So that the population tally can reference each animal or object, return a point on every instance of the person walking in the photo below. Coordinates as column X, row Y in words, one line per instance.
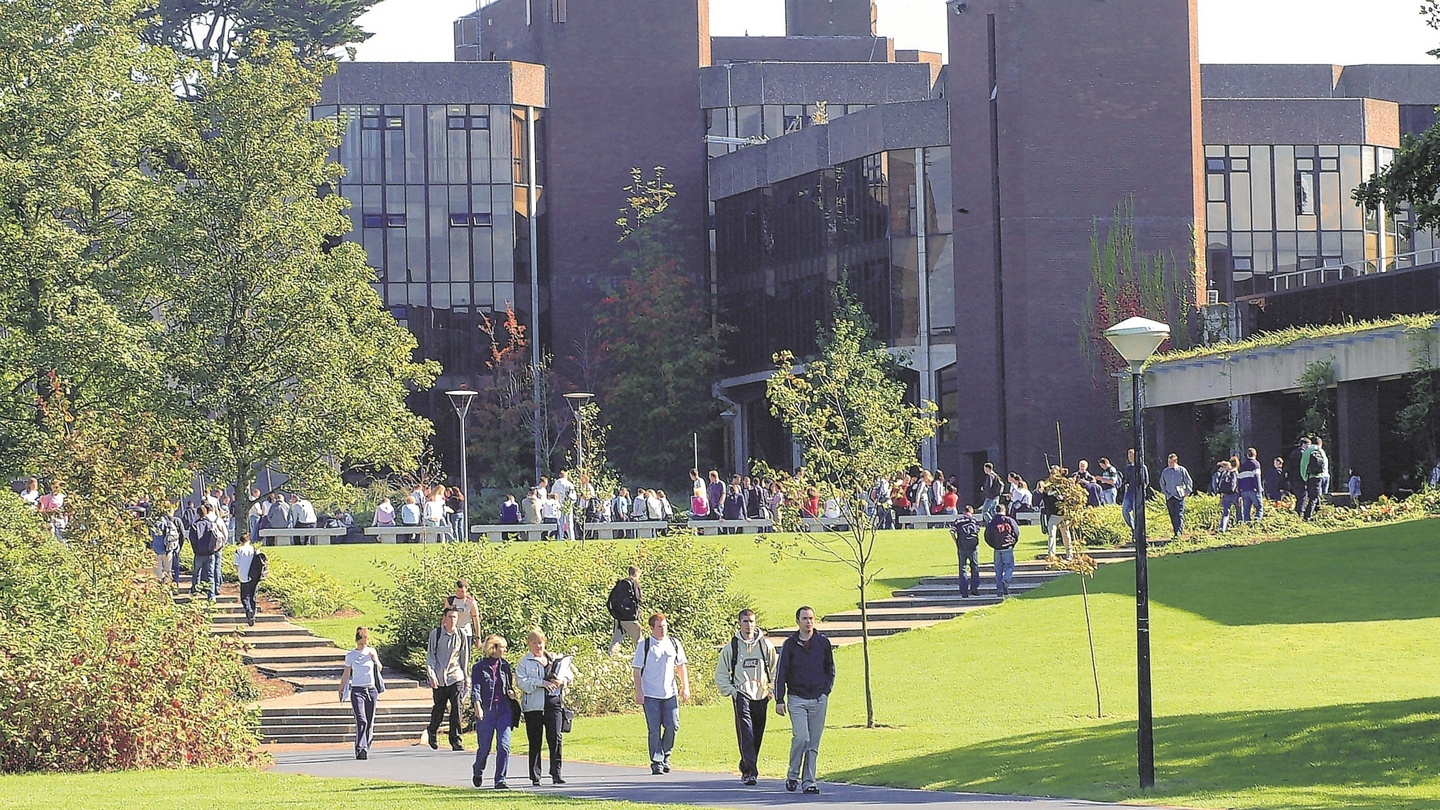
column 468, row 619
column 447, row 662
column 203, row 540
column 165, row 542
column 222, row 541
column 745, row 673
column 1001, row 534
column 1225, row 483
column 1301, row 477
column 1130, row 490
column 1177, row 485
column 803, row 682
column 1352, row 487
column 360, row 685
column 1277, row 481
column 496, row 714
column 1109, row 480
column 248, row 574
column 966, row 533
column 1247, row 481
column 990, row 490
column 662, row 683
column 624, row 607
column 542, row 677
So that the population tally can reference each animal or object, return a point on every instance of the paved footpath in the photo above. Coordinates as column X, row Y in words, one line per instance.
column 587, row 781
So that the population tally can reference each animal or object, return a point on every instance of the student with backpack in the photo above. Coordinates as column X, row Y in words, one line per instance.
column 966, row 532
column 251, row 566
column 1001, row 534
column 204, row 542
column 165, row 542
column 745, row 673
column 623, row 605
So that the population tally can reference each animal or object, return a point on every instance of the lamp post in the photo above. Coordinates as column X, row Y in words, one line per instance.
column 461, row 400
column 577, row 400
column 1136, row 339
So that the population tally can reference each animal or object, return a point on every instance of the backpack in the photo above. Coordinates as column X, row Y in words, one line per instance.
column 622, row 604
column 764, row 659
column 967, row 533
column 1004, row 536
column 278, row 517
column 259, row 567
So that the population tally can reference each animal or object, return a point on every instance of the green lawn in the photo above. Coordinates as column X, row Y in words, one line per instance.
column 238, row 788
column 775, row 588
column 1298, row 674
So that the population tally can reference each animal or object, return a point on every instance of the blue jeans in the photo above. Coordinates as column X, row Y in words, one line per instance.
column 215, row 576
column 1229, row 502
column 201, row 571
column 1251, row 506
column 662, row 717
column 255, row 530
column 987, row 509
column 969, row 558
column 1127, row 507
column 1107, row 496
column 493, row 727
column 1004, row 570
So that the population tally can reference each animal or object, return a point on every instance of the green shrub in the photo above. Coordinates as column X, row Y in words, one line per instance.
column 302, row 591
column 106, row 671
column 562, row 588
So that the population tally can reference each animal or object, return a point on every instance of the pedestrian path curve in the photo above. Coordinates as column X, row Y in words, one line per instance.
column 420, row 765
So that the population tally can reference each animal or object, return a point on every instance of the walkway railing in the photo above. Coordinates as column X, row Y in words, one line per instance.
column 1335, row 270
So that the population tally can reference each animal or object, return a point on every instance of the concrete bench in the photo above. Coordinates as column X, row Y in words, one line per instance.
column 641, row 528
column 427, row 534
column 824, row 524
column 1027, row 517
column 289, row 537
column 756, row 526
column 926, row 521
column 524, row 531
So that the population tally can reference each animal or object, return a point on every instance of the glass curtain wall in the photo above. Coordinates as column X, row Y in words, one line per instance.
column 765, row 121
column 440, row 202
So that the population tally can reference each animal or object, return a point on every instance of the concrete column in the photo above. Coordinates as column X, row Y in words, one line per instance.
column 1177, row 431
column 1262, row 428
column 1357, row 417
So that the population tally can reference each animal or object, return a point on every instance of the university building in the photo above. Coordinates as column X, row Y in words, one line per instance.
column 957, row 201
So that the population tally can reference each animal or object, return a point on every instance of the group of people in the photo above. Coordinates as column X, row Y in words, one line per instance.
column 50, row 505
column 798, row 678
column 434, row 507
column 209, row 530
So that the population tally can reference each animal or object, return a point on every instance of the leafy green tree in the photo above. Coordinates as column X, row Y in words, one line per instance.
column 86, row 111
column 659, row 346
column 279, row 351
column 217, row 30
column 854, row 427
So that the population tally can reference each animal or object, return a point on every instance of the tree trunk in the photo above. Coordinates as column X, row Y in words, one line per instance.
column 865, row 654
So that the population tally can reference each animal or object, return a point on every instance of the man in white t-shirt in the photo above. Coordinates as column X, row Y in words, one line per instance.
column 658, row 660
column 564, row 493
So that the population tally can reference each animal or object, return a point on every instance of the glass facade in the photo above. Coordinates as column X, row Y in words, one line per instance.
column 780, row 249
column 441, row 200
column 766, row 121
column 1273, row 209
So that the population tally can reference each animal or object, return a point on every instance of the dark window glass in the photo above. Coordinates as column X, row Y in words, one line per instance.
column 395, row 220
column 455, row 122
column 370, row 122
column 1215, row 164
column 480, row 220
column 480, row 122
column 459, row 220
column 374, row 220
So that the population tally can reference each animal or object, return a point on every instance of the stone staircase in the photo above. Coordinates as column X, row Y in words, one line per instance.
column 312, row 666
column 936, row 599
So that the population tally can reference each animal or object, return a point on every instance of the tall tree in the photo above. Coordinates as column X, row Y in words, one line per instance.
column 279, row 349
column 217, row 30
column 659, row 346
column 86, row 113
column 854, row 427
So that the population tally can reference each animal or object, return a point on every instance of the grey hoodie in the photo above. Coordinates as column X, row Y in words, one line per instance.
column 754, row 669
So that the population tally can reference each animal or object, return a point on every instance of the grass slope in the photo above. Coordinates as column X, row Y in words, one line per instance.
column 183, row 789
column 775, row 588
column 1297, row 674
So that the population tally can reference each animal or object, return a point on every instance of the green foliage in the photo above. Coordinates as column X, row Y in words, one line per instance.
column 1419, row 421
column 279, row 350
column 561, row 588
column 1125, row 284
column 1285, row 338
column 87, row 112
column 102, row 672
column 1315, row 384
column 302, row 590
column 660, row 348
column 219, row 30
column 597, row 472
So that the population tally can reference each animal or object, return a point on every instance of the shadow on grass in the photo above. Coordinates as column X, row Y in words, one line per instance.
column 1378, row 574
column 1357, row 755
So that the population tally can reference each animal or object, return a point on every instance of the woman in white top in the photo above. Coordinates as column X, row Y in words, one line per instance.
column 1020, row 496
column 244, row 560
column 435, row 508
column 361, row 683
column 542, row 677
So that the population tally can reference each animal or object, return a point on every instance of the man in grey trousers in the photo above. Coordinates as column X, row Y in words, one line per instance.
column 803, row 682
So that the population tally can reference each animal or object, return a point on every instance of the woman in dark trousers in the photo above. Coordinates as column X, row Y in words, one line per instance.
column 542, row 689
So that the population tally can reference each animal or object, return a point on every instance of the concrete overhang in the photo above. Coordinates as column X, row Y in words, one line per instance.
column 1385, row 352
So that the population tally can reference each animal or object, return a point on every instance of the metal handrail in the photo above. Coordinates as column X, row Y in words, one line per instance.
column 1338, row 271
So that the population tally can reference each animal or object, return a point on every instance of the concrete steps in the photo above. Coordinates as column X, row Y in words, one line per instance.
column 333, row 722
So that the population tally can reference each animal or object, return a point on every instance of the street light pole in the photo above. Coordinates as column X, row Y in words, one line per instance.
column 1136, row 339
column 461, row 400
